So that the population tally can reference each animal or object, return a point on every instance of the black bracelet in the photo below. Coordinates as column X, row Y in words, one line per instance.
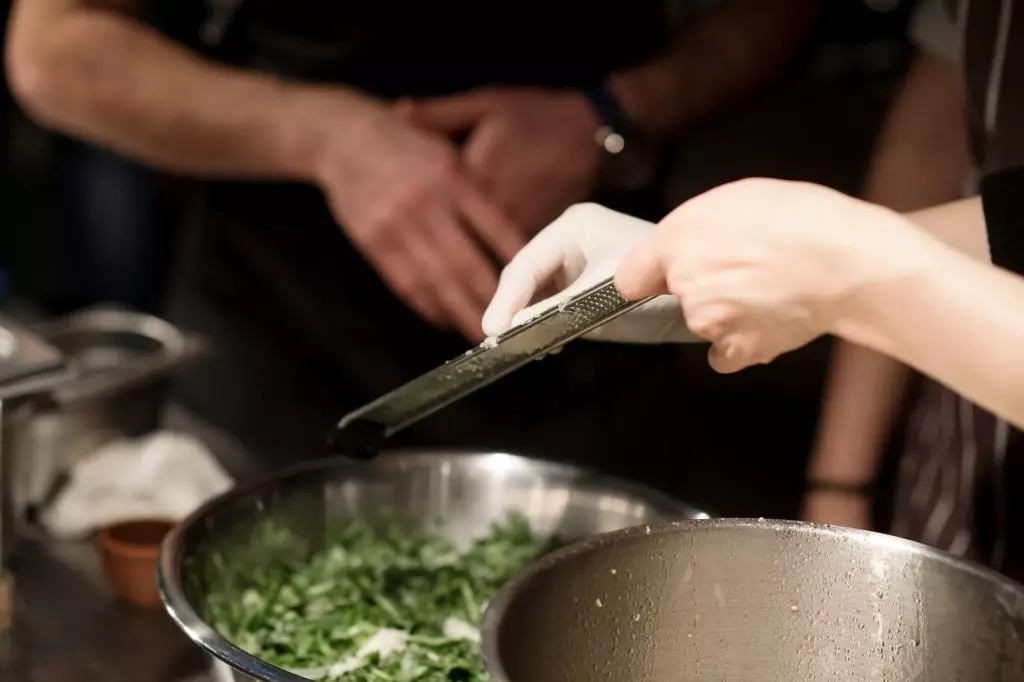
column 844, row 487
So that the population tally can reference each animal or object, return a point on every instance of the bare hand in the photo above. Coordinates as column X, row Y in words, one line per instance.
column 533, row 150
column 404, row 199
column 762, row 267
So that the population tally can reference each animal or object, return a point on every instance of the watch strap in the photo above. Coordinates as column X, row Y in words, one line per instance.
column 609, row 110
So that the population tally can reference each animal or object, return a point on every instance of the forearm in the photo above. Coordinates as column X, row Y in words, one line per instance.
column 919, row 161
column 864, row 392
column 738, row 46
column 99, row 75
column 956, row 319
column 865, row 387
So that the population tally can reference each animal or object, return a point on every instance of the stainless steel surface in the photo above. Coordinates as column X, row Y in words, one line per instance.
column 467, row 491
column 14, row 420
column 28, row 367
column 750, row 600
column 122, row 363
column 24, row 357
column 69, row 626
column 363, row 431
column 112, row 351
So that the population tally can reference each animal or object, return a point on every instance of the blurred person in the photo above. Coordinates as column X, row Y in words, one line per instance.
column 369, row 167
column 921, row 160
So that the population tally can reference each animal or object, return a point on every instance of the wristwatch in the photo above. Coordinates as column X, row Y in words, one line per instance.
column 628, row 160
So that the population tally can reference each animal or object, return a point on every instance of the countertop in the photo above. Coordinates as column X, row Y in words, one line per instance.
column 69, row 626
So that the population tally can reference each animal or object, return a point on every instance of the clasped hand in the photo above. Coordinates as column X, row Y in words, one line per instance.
column 437, row 220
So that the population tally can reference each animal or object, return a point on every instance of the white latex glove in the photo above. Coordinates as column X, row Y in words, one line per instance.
column 579, row 249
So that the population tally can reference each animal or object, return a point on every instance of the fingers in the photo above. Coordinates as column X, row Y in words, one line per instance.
column 450, row 271
column 448, row 115
column 400, row 271
column 536, row 265
column 499, row 233
column 581, row 284
column 464, row 261
column 726, row 356
column 642, row 272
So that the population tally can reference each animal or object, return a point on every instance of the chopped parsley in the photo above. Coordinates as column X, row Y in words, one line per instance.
column 372, row 604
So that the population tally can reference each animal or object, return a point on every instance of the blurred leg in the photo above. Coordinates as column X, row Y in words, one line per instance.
column 120, row 238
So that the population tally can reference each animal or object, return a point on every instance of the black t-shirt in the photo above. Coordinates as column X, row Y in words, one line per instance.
column 301, row 328
column 414, row 48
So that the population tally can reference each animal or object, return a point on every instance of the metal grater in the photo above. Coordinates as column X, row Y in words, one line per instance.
column 362, row 432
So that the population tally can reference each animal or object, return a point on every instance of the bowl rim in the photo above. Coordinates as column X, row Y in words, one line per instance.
column 503, row 598
column 181, row 611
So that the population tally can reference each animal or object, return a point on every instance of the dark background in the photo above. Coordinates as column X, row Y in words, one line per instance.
column 66, row 209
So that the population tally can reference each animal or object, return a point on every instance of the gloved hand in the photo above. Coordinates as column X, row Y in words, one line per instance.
column 579, row 249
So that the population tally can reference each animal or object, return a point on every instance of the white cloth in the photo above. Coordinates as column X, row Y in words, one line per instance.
column 165, row 475
column 582, row 247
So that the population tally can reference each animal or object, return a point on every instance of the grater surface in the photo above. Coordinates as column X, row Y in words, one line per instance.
column 359, row 433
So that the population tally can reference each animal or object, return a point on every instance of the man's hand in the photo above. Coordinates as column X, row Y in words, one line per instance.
column 403, row 197
column 533, row 150
column 763, row 267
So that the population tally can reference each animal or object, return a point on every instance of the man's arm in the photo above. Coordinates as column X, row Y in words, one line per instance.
column 88, row 69
column 921, row 159
column 737, row 47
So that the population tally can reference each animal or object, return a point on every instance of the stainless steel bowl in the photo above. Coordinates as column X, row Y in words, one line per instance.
column 122, row 364
column 467, row 491
column 748, row 601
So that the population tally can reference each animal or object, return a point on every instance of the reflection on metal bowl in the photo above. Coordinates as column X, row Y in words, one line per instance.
column 750, row 600
column 466, row 491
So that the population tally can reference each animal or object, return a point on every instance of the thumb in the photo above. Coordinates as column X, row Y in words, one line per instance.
column 451, row 114
column 642, row 272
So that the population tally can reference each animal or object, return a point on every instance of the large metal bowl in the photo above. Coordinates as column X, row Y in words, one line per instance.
column 750, row 601
column 466, row 491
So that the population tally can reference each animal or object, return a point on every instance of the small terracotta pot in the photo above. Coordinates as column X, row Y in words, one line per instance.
column 129, row 552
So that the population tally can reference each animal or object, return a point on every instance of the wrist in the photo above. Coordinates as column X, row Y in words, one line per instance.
column 648, row 95
column 580, row 108
column 322, row 130
column 628, row 161
column 903, row 275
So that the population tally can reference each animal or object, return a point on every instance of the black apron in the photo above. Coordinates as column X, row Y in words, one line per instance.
column 301, row 328
column 962, row 469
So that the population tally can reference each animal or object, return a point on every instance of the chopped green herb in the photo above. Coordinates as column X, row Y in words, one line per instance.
column 371, row 606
